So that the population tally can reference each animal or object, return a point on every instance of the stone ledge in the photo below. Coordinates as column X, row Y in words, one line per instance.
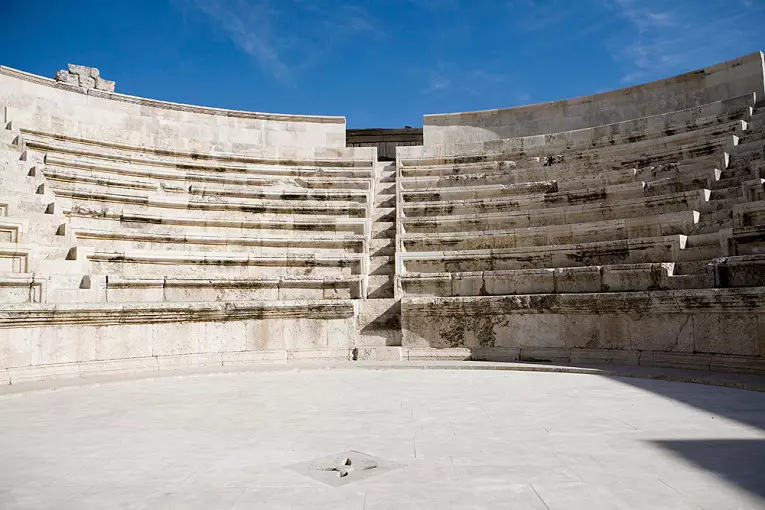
column 750, row 300
column 25, row 315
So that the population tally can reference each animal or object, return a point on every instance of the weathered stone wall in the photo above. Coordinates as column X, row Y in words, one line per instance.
column 730, row 79
column 76, row 111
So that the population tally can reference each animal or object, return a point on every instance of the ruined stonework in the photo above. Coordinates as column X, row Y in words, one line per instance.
column 138, row 235
column 84, row 77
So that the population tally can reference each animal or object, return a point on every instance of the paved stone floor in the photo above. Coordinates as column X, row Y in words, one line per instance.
column 447, row 439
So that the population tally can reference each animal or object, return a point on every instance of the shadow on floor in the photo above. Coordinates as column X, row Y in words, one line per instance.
column 747, row 407
column 739, row 461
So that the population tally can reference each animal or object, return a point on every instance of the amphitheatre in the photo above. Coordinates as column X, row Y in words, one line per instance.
column 559, row 305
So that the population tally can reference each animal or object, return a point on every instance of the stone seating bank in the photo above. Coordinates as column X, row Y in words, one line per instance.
column 626, row 228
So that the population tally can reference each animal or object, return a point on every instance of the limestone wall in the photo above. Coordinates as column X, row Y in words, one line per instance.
column 729, row 79
column 47, row 105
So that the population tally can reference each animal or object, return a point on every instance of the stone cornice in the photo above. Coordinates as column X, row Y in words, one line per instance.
column 106, row 314
column 749, row 300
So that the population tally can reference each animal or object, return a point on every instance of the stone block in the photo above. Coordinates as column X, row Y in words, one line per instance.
column 605, row 356
column 436, row 332
column 265, row 335
column 446, row 354
column 319, row 354
column 480, row 331
column 545, row 355
column 86, row 82
column 16, row 347
column 249, row 358
column 105, row 85
column 229, row 336
column 66, row 77
column 181, row 361
column 125, row 341
column 737, row 364
column 79, row 70
column 662, row 332
column 64, row 344
column 533, row 330
column 306, row 334
column 726, row 334
column 583, row 331
column 497, row 354
column 615, row 331
column 577, row 279
column 683, row 360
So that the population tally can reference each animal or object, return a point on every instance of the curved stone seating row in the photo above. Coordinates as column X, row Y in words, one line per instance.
column 557, row 244
column 191, row 221
column 299, row 162
column 697, row 138
column 565, row 280
column 562, row 215
column 131, row 212
column 684, row 222
column 741, row 76
column 122, row 289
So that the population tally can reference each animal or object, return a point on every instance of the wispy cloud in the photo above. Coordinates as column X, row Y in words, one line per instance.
column 662, row 39
column 448, row 78
column 286, row 36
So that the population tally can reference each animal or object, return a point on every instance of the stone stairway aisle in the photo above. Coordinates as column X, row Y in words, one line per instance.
column 379, row 314
column 382, row 251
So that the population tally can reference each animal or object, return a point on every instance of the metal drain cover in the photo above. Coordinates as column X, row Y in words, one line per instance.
column 344, row 468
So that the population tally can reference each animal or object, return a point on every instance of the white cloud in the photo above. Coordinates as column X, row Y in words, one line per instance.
column 285, row 36
column 660, row 42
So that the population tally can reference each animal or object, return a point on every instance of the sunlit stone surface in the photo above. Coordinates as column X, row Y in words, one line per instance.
column 459, row 439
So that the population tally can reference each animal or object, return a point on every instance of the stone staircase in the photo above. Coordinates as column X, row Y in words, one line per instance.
column 379, row 314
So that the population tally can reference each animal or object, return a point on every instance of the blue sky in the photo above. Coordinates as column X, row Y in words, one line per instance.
column 381, row 63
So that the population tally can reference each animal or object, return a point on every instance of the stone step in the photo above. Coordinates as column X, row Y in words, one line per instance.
column 254, row 244
column 380, row 287
column 107, row 152
column 628, row 251
column 382, row 247
column 458, row 221
column 380, row 266
column 587, row 179
column 652, row 151
column 208, row 264
column 385, row 202
column 607, row 195
column 88, row 166
column 379, row 322
column 202, row 203
column 384, row 214
column 164, row 289
column 564, row 280
column 610, row 230
column 194, row 222
column 383, row 230
column 283, row 189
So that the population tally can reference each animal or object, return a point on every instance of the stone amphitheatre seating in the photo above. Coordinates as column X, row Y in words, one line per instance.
column 626, row 227
column 640, row 241
column 153, row 239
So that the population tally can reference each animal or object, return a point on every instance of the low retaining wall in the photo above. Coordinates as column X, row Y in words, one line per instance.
column 51, row 341
column 720, row 329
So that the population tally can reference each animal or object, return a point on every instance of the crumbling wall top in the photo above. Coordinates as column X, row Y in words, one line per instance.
column 85, row 77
